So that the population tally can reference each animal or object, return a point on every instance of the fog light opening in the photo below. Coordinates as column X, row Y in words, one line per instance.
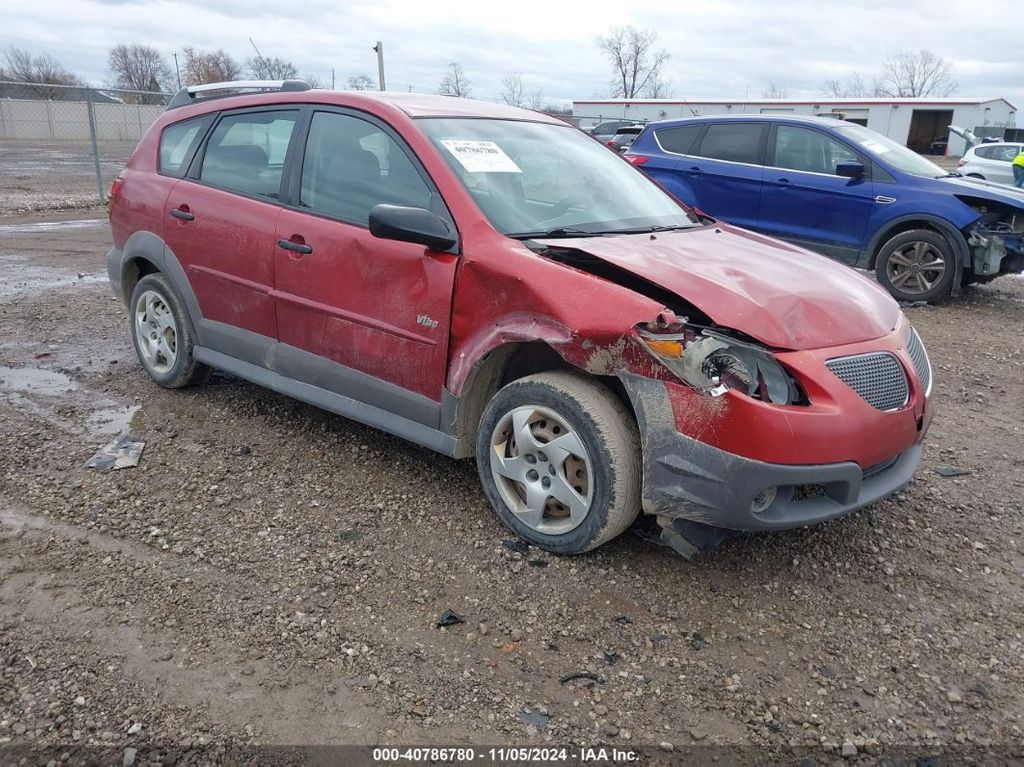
column 763, row 500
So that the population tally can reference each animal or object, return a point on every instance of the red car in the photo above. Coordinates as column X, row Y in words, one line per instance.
column 489, row 282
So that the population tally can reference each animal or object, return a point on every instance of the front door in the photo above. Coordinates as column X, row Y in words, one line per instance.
column 221, row 220
column 377, row 308
column 804, row 201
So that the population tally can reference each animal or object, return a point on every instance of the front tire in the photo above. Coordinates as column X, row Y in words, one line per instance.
column 559, row 460
column 161, row 334
column 918, row 265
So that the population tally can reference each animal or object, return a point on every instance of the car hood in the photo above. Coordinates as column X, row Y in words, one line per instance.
column 784, row 296
column 975, row 187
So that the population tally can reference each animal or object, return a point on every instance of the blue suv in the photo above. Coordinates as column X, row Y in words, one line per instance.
column 842, row 190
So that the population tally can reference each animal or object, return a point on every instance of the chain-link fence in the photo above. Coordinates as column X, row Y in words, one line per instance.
column 61, row 146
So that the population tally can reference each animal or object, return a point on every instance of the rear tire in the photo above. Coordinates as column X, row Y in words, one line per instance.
column 161, row 334
column 918, row 265
column 559, row 460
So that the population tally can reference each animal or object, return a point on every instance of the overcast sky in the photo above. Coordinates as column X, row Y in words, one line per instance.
column 719, row 48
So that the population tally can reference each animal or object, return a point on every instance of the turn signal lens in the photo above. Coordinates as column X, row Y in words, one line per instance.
column 664, row 347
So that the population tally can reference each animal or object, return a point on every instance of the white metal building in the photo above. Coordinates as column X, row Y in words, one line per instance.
column 918, row 122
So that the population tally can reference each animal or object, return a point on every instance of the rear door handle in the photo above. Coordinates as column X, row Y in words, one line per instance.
column 695, row 169
column 295, row 247
column 183, row 213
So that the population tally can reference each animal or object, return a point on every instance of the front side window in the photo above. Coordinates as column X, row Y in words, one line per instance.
column 246, row 152
column 889, row 152
column 808, row 150
column 351, row 165
column 539, row 178
column 735, row 142
column 178, row 143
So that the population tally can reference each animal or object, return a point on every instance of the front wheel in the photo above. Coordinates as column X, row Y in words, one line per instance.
column 918, row 265
column 559, row 459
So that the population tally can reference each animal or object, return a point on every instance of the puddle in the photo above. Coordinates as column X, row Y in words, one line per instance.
column 35, row 381
column 45, row 226
column 16, row 278
column 111, row 421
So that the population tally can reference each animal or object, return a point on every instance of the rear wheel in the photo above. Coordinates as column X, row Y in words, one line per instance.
column 918, row 265
column 161, row 335
column 559, row 459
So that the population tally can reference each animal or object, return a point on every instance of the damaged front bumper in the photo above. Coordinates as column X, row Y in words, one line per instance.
column 695, row 488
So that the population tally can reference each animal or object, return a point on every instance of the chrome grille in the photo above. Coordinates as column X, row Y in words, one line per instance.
column 920, row 357
column 877, row 377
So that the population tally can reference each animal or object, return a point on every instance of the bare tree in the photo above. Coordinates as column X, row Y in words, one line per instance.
column 512, row 91
column 312, row 80
column 634, row 61
column 139, row 68
column 209, row 66
column 921, row 73
column 773, row 90
column 276, row 68
column 21, row 66
column 361, row 83
column 454, row 82
column 536, row 99
column 657, row 88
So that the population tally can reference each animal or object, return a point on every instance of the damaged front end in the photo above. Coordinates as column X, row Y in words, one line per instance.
column 996, row 242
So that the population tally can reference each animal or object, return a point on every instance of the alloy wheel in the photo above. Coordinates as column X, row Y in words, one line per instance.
column 915, row 268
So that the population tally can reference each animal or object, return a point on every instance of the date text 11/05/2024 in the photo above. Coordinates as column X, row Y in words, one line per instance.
column 505, row 754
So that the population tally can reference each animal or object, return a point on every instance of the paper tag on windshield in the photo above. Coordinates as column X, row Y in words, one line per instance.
column 480, row 156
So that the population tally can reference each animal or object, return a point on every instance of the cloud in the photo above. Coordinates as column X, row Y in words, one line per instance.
column 727, row 49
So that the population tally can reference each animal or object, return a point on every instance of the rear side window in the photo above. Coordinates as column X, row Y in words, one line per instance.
column 736, row 142
column 351, row 165
column 245, row 152
column 178, row 144
column 679, row 140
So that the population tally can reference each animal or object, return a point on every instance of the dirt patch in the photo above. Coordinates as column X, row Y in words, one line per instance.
column 273, row 574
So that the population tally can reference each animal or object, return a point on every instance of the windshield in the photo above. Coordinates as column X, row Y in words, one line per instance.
column 888, row 151
column 540, row 179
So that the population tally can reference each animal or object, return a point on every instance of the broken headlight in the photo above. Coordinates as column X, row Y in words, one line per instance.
column 714, row 362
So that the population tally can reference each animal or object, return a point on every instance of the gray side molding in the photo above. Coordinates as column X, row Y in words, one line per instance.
column 332, row 402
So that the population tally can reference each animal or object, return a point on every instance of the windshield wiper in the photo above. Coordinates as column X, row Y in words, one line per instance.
column 651, row 229
column 952, row 174
column 561, row 231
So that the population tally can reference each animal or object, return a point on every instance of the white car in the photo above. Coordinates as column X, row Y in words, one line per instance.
column 990, row 162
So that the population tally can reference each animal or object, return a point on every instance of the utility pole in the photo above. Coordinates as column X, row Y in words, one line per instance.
column 379, row 47
column 332, row 78
column 177, row 71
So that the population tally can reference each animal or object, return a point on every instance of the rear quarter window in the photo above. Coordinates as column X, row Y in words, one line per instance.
column 678, row 140
column 178, row 143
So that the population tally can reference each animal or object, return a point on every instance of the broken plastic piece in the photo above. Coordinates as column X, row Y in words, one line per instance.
column 585, row 675
column 449, row 618
column 951, row 471
column 125, row 452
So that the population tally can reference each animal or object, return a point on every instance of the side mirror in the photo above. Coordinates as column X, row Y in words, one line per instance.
column 396, row 222
column 850, row 169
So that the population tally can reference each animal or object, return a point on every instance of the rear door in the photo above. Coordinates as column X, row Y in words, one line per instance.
column 803, row 200
column 725, row 171
column 378, row 309
column 220, row 222
column 1000, row 165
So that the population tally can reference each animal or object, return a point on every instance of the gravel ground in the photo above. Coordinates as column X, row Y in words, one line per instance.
column 56, row 175
column 272, row 574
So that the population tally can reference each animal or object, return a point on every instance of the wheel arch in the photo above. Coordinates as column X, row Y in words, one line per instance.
column 507, row 362
column 146, row 253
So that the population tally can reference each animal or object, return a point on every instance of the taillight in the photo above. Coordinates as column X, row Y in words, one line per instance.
column 962, row 163
column 610, row 142
column 115, row 190
column 637, row 159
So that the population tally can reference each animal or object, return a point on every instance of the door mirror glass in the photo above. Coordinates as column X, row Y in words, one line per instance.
column 850, row 169
column 417, row 225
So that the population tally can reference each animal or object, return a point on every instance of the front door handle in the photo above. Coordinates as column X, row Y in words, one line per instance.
column 695, row 169
column 183, row 213
column 295, row 247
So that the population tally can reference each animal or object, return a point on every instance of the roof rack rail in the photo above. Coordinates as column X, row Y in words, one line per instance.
column 187, row 95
